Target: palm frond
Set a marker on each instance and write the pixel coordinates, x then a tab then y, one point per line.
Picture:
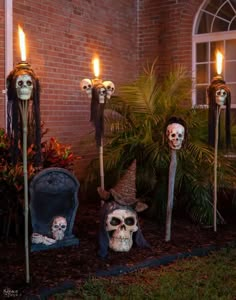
135	128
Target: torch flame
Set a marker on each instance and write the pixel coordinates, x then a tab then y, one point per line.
219	62
96	67
22	43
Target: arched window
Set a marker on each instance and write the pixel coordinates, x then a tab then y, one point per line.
214	29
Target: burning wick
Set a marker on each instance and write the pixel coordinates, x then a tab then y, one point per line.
22	43
219	62
96	71
96	67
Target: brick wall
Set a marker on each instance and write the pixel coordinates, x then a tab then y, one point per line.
165	32
63	36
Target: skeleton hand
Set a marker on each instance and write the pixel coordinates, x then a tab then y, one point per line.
41	239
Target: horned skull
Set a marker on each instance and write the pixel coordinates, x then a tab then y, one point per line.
175	134
120	226
24	86
110	87
86	85
221	96
58	228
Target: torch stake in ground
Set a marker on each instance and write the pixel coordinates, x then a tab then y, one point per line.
99	92
175	132
23	86
218	96
171	188
23	106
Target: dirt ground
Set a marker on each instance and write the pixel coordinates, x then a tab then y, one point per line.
50	269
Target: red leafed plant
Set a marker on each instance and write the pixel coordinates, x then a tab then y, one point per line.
54	154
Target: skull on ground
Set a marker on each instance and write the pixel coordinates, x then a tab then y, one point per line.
59	226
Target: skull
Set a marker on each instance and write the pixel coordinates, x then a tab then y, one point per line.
221	96
24	86
102	93
120	226
175	134
86	85
110	87
59	226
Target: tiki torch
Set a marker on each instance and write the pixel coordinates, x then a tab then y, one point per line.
219	96
23	86
99	92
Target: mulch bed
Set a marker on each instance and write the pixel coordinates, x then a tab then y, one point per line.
51	268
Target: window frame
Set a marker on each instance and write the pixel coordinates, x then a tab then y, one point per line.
206	38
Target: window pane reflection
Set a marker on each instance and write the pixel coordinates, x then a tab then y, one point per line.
202	52
230	68
214	5
205	24
219	25
230	52
202	71
226	12
232	88
201	95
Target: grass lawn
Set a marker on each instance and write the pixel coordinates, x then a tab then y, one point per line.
211	277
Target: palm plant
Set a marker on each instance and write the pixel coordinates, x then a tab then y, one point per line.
135	128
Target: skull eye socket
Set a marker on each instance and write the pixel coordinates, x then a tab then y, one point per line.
221	93
180	135
129	221
173	135
85	87
115	221
63	226
56	226
29	83
20	82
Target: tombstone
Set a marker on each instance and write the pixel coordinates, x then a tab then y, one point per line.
53	206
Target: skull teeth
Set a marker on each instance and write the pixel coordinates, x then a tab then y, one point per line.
121	238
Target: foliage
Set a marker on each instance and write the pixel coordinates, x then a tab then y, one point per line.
54	154
135	128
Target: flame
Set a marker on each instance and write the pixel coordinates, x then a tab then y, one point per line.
22	43
219	62
96	67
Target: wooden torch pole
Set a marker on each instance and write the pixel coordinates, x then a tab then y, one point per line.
171	186
218	109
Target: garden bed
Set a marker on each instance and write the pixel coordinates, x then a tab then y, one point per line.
52	268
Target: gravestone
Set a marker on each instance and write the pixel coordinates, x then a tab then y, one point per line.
53	195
